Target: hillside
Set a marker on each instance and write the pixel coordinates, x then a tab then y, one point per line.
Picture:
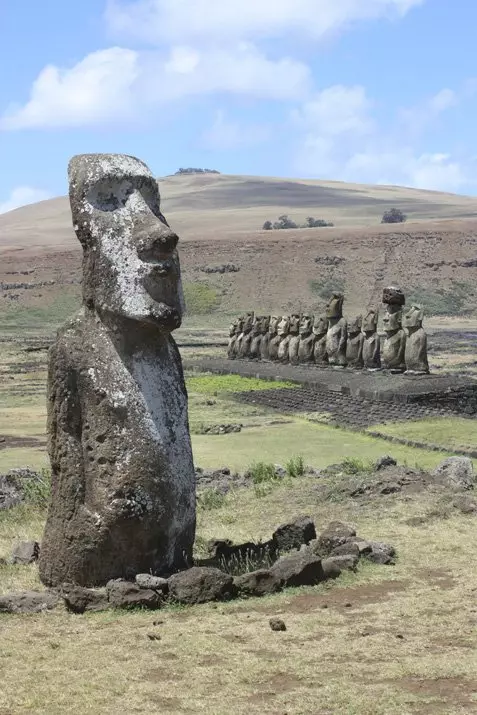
219	221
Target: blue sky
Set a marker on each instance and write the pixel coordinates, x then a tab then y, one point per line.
375	91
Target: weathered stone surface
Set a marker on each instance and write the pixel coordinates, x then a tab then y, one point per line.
256	338
320	330
457	472
295	533
123	482
307	340
393	296
79	599
345	562
298	568
126	594
385	461
415	355
394	345
234	331
349	548
294	343
337	333
371	343
277	624
335	534
155	583
12	486
28	602
381	553
257	583
283	333
274	339
200	584
354	346
465	503
331	568
245	338
25	552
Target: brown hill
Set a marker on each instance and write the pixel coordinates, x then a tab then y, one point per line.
219	217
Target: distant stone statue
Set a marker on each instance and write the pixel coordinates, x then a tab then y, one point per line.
415	355
307	340
371	343
336	336
256	338
294	342
123	482
284	335
394	345
354	346
234	331
320	331
244	340
274	338
265	337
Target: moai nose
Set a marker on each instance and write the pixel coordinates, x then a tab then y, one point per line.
155	241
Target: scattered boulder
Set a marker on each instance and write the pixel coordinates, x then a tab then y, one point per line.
335	534
12	486
78	599
29	602
385	461
155	583
331	568
349	548
295	533
457	472
298	568
126	594
364	546
257	583
381	553
222	429
344	562
276	624
26	552
220	268
200	584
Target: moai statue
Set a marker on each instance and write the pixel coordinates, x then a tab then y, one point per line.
307	340
336	336
234	331
294	343
354	346
394	344
320	331
264	343
274	338
283	331
371	343
245	339
256	340
415	355
123	482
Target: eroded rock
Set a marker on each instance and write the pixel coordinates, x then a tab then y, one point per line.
200	584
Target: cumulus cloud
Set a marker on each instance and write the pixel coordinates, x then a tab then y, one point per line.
159	21
21	196
227	134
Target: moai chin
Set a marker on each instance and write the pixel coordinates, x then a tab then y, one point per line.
274	338
265	341
244	340
371	343
123	482
394	344
307	340
283	332
294	343
354	346
320	331
415	355
256	338
337	334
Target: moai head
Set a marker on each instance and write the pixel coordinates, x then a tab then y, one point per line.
248	323
283	327
392	320
265	324
393	296
294	324
257	325
370	321
334	307
273	327
320	325
413	318
130	261
354	326
306	325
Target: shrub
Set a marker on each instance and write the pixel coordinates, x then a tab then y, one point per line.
37	491
316	223
393	216
210	499
261	472
267	226
324	287
295	467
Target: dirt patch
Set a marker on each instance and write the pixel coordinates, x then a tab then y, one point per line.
277	684
442	578
268	655
9	442
448	691
161	675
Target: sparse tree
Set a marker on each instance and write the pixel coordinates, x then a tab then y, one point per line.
286	222
267	226
393	216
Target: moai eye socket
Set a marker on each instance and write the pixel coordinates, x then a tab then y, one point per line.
110	195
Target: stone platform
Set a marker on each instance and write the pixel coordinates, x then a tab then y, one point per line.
451	393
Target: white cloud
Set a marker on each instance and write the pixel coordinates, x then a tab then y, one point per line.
115	85
228	134
21	196
163	21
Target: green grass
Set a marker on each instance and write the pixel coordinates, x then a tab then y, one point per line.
324	287
218	384
43	318
201	298
448	432
441	301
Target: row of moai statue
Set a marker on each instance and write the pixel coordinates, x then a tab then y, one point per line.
331	340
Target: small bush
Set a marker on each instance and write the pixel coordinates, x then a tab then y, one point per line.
323	288
200	298
354	465
37	491
393	216
210	499
261	472
267	226
295	467
236	565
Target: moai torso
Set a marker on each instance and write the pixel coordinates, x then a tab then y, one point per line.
283	334
307	340
274	339
320	330
354	346
371	343
264	352
123	482
235	331
336	336
256	339
415	355
245	339
394	344
294	343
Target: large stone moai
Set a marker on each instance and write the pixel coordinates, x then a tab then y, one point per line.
394	344
256	338
337	334
265	340
307	340
320	331
294	342
283	332
123	483
245	339
234	332
274	338
354	346
416	341
371	343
